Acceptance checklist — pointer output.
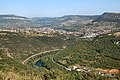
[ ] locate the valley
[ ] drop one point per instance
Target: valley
(72, 47)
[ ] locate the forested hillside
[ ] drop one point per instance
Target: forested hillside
(101, 52)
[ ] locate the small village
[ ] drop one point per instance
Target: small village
(88, 33)
(98, 71)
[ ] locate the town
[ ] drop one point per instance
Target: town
(84, 33)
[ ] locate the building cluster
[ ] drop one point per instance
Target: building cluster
(79, 68)
(86, 33)
(99, 71)
(107, 72)
(49, 31)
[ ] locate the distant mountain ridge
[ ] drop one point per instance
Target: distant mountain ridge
(14, 21)
(51, 20)
(65, 22)
(13, 17)
(108, 17)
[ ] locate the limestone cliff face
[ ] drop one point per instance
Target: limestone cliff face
(13, 17)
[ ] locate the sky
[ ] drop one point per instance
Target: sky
(56, 8)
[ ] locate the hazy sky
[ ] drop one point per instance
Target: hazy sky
(50, 8)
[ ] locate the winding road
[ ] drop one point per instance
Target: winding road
(26, 60)
(60, 65)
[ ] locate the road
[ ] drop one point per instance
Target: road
(25, 61)
(60, 65)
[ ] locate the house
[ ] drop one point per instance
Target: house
(111, 72)
(114, 71)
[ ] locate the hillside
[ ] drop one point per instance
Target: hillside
(65, 22)
(16, 47)
(20, 45)
(108, 17)
(101, 52)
